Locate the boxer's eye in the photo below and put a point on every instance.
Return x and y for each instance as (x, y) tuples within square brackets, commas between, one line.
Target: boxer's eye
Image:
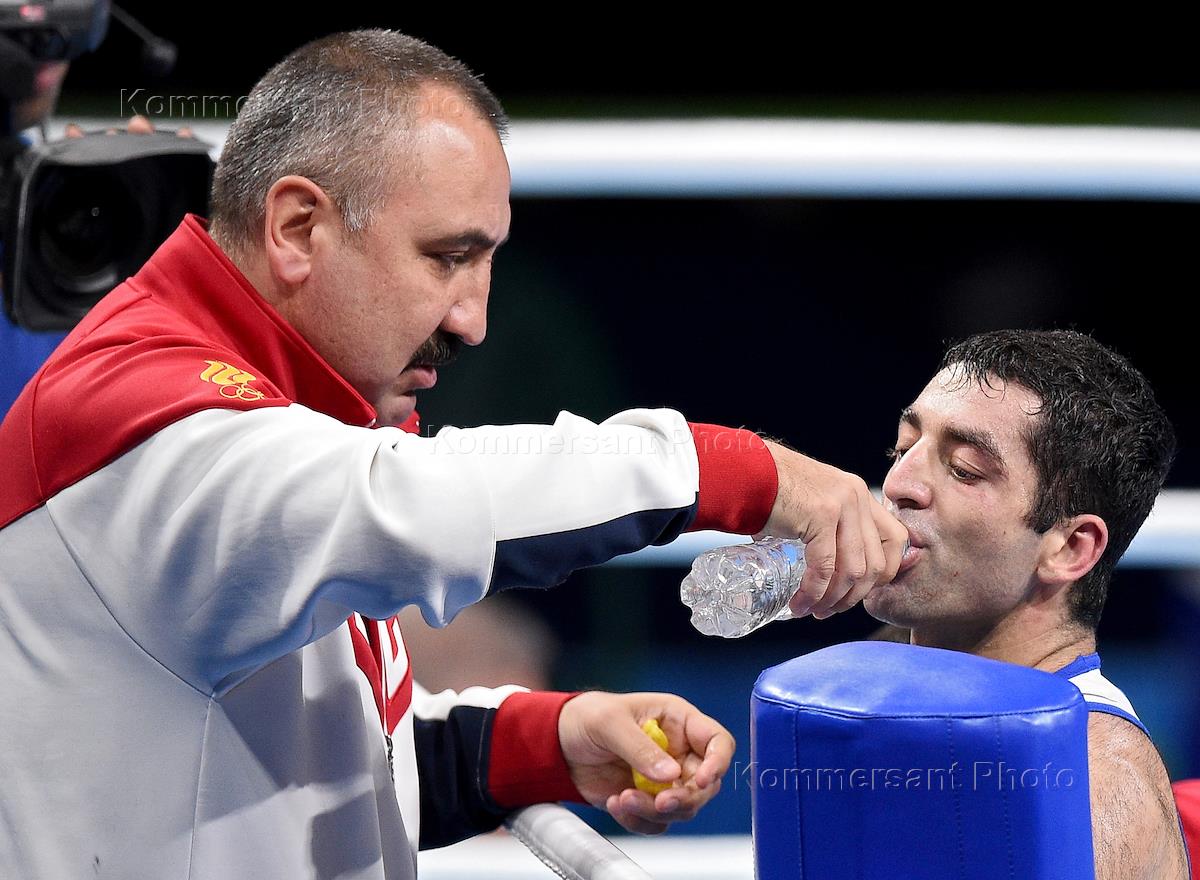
[(962, 474), (894, 453)]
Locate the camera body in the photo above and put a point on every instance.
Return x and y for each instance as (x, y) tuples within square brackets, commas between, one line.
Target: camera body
[(78, 216), (84, 214)]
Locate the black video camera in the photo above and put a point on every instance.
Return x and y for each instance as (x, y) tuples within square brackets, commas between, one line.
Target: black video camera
[(78, 216)]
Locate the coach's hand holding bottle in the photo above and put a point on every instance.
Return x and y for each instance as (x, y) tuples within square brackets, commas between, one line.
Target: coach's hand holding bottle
[(853, 545)]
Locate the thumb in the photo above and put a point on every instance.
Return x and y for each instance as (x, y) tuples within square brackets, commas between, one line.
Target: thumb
[(631, 744)]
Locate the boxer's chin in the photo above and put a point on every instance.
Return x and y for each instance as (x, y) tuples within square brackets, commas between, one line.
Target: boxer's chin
[(888, 603)]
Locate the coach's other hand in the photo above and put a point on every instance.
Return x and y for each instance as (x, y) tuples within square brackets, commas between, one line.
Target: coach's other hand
[(602, 740)]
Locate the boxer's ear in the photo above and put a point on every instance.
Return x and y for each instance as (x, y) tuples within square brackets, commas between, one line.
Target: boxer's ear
[(1071, 549)]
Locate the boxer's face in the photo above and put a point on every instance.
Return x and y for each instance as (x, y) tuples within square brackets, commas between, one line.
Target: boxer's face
[(962, 482)]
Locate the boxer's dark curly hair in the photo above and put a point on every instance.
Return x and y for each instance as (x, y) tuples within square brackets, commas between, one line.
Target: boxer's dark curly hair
[(1101, 444)]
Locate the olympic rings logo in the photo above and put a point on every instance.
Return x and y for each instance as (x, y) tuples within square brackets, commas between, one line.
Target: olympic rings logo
[(232, 382), (241, 392)]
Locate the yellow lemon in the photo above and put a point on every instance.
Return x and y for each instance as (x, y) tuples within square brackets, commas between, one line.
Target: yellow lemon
[(652, 730)]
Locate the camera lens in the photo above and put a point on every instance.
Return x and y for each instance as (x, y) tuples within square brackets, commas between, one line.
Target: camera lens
[(87, 213), (86, 223)]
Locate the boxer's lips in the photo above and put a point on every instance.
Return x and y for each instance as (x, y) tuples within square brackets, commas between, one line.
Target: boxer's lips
[(912, 553), (910, 558)]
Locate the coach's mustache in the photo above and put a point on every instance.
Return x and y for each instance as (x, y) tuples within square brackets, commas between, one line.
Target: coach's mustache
[(438, 350)]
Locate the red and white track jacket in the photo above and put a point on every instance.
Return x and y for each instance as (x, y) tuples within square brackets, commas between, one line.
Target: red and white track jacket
[(203, 543)]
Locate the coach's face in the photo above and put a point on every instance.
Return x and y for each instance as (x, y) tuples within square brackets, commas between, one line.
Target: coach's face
[(962, 482), (392, 303)]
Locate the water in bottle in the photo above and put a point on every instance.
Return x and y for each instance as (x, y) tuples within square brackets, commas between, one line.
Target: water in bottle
[(734, 590)]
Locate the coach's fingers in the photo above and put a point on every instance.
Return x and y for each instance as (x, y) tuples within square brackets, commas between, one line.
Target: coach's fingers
[(874, 556)]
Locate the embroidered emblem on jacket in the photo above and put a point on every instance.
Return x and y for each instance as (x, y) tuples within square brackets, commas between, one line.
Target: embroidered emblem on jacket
[(232, 382)]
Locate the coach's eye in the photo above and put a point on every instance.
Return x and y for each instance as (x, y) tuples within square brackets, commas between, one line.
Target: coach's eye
[(894, 453)]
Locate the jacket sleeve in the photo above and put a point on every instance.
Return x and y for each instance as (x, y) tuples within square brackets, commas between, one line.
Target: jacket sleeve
[(228, 539), (483, 753)]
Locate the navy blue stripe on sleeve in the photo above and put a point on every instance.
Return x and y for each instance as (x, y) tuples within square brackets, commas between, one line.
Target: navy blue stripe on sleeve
[(547, 560), (452, 765)]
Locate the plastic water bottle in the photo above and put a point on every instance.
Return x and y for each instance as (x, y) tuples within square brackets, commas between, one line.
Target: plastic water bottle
[(734, 590)]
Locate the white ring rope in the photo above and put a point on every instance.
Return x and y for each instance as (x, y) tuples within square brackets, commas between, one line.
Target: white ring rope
[(569, 847)]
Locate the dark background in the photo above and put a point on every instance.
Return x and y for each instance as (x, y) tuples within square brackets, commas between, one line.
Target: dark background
[(747, 61), (811, 320)]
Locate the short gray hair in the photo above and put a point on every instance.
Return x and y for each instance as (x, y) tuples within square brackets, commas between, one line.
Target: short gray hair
[(333, 111)]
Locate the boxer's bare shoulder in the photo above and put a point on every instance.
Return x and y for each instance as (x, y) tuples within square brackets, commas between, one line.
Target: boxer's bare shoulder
[(1135, 828)]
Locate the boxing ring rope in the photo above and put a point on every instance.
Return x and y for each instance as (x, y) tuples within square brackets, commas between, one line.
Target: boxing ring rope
[(725, 157), (498, 856), (569, 847), (825, 159)]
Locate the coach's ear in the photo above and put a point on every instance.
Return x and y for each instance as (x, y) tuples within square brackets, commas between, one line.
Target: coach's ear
[(1071, 549), (294, 207)]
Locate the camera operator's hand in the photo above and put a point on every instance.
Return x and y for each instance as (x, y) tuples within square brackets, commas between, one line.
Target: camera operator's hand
[(137, 125)]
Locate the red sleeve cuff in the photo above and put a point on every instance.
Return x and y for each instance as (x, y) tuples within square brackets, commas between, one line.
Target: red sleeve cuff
[(525, 763), (738, 480)]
